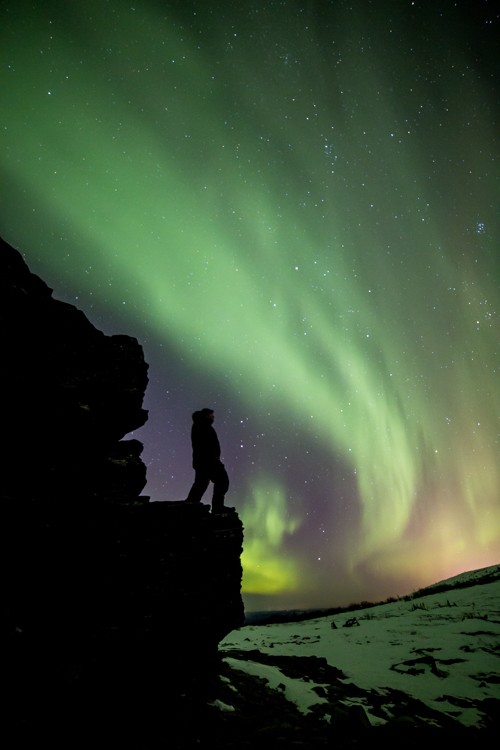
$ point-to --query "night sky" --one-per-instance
(294, 207)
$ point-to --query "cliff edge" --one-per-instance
(113, 606)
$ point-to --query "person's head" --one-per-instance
(207, 414)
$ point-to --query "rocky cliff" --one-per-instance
(112, 605)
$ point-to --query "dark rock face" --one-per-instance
(112, 606)
(70, 395)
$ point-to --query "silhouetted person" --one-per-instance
(206, 461)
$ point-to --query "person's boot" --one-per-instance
(218, 507)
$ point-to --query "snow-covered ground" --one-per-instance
(442, 649)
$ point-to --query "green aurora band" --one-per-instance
(306, 212)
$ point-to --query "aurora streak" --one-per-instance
(294, 207)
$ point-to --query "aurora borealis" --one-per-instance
(294, 207)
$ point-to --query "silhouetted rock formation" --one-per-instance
(70, 395)
(113, 606)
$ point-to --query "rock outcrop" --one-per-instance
(112, 606)
(70, 393)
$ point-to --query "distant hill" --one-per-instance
(468, 578)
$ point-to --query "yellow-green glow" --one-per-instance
(267, 569)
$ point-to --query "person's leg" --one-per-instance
(200, 484)
(221, 485)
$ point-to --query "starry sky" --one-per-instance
(294, 207)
